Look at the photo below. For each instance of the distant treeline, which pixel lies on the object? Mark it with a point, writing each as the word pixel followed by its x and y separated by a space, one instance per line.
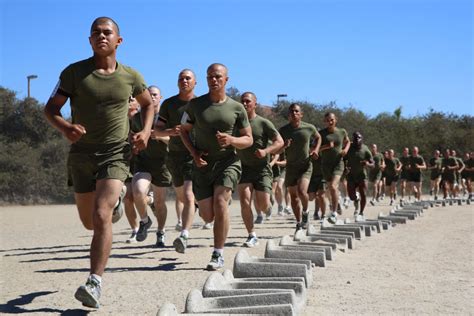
pixel 33 155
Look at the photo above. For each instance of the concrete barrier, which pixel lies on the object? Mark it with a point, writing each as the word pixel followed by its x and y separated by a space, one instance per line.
pixel 317 256
pixel 246 266
pixel 269 303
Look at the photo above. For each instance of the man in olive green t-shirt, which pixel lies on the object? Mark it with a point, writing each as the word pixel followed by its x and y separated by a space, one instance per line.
pixel 302 141
pixel 215 120
pixel 334 146
pixel 417 164
pixel 358 159
pixel 375 174
pixel 392 170
pixel 435 164
pixel 99 89
pixel 152 174
pixel 256 171
pixel 180 161
pixel 404 174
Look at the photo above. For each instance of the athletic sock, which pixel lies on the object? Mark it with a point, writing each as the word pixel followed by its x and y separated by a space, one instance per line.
pixel 96 277
pixel 219 251
pixel 145 220
pixel 185 233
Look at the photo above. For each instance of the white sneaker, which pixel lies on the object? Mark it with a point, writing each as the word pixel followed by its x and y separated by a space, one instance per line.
pixel 251 241
pixel 288 210
pixel 333 218
pixel 132 239
pixel 208 225
pixel 119 207
pixel 280 210
pixel 259 219
pixel 360 218
pixel 179 226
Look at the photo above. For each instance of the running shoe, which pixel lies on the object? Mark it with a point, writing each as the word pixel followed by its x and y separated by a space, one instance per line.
pixel 259 219
pixel 372 202
pixel 89 294
pixel 305 220
pixel 298 227
pixel 160 239
pixel 316 216
pixel 119 207
pixel 280 210
pixel 143 229
pixel 217 262
pixel 251 241
pixel 268 214
pixel 208 225
pixel 180 244
pixel 179 226
pixel 132 239
pixel 288 210
pixel 333 218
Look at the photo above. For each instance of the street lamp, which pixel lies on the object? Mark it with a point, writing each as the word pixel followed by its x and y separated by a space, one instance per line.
pixel 30 77
pixel 280 96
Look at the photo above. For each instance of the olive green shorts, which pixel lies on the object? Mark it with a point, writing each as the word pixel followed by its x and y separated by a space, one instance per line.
pixel 180 165
pixel 160 175
pixel 88 163
pixel 375 176
pixel 331 169
pixel 276 171
pixel 225 172
pixel 260 177
pixel 317 183
pixel 298 171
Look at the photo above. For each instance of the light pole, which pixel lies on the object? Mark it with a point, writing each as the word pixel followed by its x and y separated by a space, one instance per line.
pixel 30 77
pixel 283 95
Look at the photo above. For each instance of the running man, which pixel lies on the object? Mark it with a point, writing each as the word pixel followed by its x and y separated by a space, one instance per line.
pixel 393 166
pixel 214 118
pixel 435 164
pixel 375 174
pixel 448 177
pixel 358 159
pixel 256 176
pixel 404 174
pixel 151 171
pixel 316 189
pixel 302 141
pixel 99 89
pixel 415 178
pixel 180 161
pixel 334 146
pixel 459 170
pixel 469 163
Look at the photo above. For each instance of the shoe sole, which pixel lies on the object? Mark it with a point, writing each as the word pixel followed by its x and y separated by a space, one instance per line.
pixel 247 245
pixel 213 268
pixel 179 245
pixel 86 298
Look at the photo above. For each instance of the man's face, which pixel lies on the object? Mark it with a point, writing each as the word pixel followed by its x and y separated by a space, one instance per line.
pixel 415 151
pixel 330 121
pixel 436 153
pixel 186 81
pixel 357 138
pixel 295 114
pixel 249 103
pixel 104 38
pixel 374 148
pixel 405 152
pixel 217 78
pixel 155 96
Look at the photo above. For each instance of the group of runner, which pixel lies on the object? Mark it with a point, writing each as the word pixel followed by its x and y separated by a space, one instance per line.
pixel 205 147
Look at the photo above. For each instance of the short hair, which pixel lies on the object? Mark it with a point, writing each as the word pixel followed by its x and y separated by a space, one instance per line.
pixel 103 19
pixel 329 114
pixel 292 105
pixel 219 65
pixel 187 70
pixel 152 86
pixel 250 93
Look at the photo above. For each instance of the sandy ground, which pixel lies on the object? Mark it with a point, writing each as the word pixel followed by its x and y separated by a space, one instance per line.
pixel 424 267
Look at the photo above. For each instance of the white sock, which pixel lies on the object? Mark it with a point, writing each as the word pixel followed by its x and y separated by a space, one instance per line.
pixel 253 234
pixel 185 233
pixel 144 220
pixel 219 251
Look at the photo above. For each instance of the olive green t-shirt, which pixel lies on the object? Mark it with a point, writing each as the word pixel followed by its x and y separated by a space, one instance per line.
pixel 449 162
pixel 438 164
pixel 406 163
pixel 354 158
pixel 208 118
pixel 171 112
pixel 329 156
pixel 155 149
pixel 391 166
pixel 301 139
pixel 100 102
pixel 263 132
pixel 416 160
pixel 378 158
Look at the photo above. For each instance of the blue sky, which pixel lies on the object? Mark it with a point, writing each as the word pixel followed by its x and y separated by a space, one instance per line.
pixel 374 55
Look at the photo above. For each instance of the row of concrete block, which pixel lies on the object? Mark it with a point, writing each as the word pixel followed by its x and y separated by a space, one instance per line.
pixel 277 283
